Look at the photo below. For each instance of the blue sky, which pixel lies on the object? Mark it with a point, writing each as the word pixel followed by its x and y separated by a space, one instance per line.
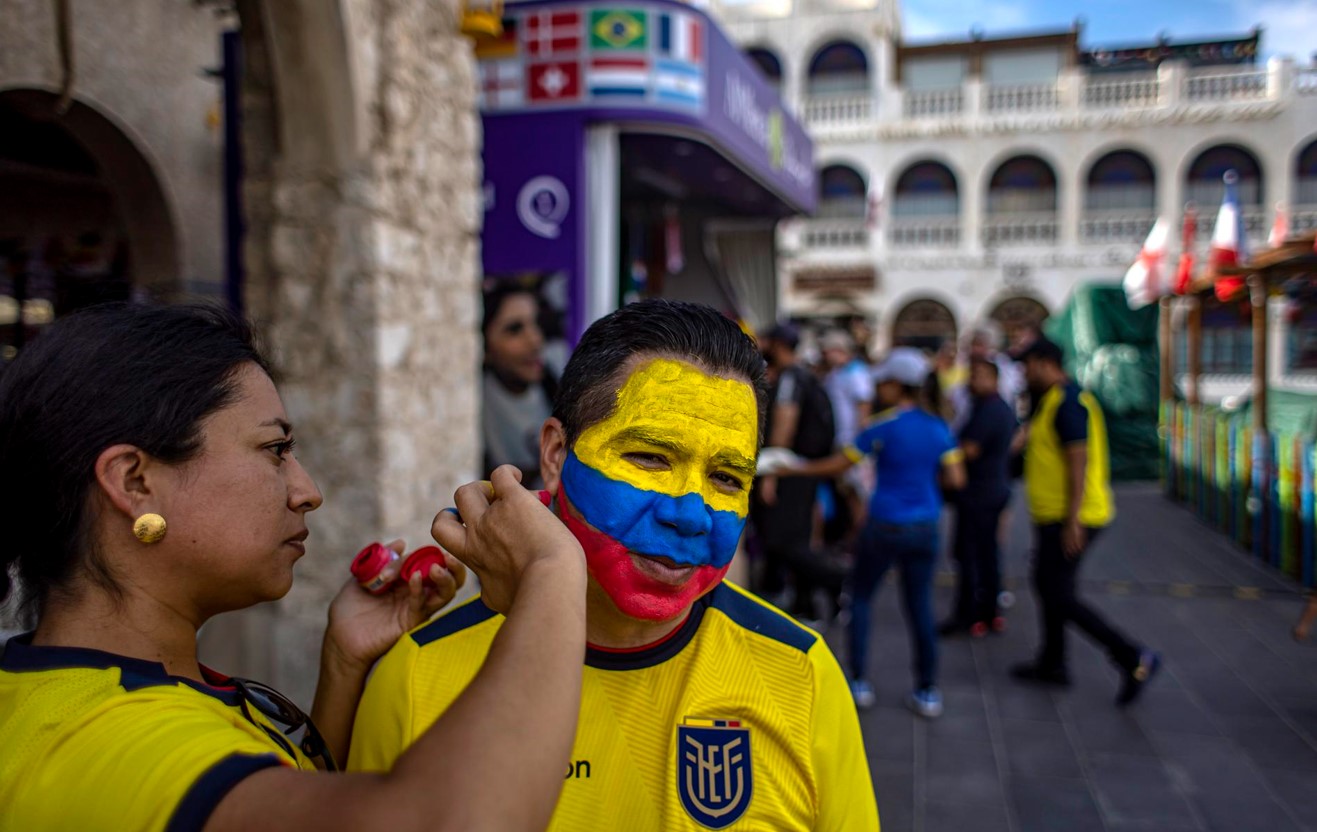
pixel 1289 26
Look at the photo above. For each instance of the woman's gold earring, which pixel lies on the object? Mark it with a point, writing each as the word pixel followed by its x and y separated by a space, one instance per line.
pixel 149 528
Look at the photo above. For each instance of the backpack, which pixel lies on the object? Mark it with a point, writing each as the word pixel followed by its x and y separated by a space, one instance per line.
pixel 816 432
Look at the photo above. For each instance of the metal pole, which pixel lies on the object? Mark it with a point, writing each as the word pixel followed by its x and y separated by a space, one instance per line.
pixel 234 228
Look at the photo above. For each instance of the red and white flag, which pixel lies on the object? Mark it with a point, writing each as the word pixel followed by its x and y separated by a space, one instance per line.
pixel 1146 280
pixel 1280 227
pixel 553 81
pixel 551 33
pixel 1184 272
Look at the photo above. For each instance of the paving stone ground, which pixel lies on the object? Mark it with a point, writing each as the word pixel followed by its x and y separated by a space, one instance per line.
pixel 1224 739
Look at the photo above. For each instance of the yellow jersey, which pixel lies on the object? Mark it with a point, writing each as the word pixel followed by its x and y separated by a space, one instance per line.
pixel 1067 414
pixel 740 719
pixel 95 741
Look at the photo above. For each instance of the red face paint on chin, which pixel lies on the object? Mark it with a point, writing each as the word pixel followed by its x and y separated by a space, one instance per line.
pixel 636 594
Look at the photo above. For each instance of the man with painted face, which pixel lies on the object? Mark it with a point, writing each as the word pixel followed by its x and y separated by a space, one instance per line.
pixel 702 706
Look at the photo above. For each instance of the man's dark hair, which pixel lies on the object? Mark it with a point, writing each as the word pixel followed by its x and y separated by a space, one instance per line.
pixel 988 363
pixel 688 332
pixel 1044 350
pixel 118 373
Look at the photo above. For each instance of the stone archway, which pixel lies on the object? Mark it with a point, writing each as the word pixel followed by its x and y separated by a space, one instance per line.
pixel 83 216
pixel 1019 318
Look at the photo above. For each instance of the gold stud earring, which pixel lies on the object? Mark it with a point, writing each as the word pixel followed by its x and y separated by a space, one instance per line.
pixel 149 528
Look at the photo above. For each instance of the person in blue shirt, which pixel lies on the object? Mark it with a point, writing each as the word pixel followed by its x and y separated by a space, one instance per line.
pixel 916 457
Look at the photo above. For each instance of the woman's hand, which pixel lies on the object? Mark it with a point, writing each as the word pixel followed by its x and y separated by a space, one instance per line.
pixel 500 529
pixel 362 627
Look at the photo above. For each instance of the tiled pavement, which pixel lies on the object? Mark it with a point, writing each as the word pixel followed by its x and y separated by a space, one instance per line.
pixel 1224 739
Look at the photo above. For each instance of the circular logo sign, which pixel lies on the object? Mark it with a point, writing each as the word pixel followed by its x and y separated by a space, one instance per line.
pixel 542 205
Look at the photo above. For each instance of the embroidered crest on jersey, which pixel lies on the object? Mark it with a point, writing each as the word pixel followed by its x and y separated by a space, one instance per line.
pixel 714 776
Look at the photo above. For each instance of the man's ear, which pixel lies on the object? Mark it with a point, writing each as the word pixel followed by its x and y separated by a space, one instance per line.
pixel 124 475
pixel 553 453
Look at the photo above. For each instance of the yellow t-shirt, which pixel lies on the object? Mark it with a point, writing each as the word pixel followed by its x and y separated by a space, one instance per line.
pixel 741 719
pixel 94 741
pixel 1067 414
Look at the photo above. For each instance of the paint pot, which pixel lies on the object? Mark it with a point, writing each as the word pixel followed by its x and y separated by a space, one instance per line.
pixel 420 561
pixel 369 565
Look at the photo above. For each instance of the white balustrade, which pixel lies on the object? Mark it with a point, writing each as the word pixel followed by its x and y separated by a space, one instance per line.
pixel 1021 98
pixel 1021 229
pixel 834 234
pixel 838 110
pixel 933 103
pixel 924 232
pixel 1305 81
pixel 1303 219
pixel 1257 223
pixel 1115 226
pixel 1121 90
pixel 1215 85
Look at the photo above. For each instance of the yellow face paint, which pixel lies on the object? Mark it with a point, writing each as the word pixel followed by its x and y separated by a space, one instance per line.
pixel 677 430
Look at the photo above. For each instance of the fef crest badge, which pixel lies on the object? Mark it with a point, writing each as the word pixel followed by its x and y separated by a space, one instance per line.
pixel 714 776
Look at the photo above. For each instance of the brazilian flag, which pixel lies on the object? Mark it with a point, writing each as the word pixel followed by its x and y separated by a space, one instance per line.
pixel 618 29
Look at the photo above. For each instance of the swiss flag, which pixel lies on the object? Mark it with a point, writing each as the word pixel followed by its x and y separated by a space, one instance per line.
pixel 551 33
pixel 553 81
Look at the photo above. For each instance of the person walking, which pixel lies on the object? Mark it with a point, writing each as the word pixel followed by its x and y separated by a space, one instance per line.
pixel 1067 480
pixel 916 458
pixel 986 442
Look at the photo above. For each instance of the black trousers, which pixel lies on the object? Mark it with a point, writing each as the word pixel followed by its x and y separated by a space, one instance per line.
pixel 784 529
pixel 1054 578
pixel 978 559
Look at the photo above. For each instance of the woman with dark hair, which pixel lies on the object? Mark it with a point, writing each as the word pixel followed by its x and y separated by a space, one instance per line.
pixel 517 391
pixel 149 484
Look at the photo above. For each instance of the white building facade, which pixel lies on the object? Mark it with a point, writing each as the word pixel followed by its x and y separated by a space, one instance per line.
pixel 989 177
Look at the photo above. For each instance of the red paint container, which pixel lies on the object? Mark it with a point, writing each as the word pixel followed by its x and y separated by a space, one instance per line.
pixel 368 567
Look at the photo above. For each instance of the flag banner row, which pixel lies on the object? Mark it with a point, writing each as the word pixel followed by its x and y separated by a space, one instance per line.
pixel 574 56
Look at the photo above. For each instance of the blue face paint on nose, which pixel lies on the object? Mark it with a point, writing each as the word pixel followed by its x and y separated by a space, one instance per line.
pixel 687 515
pixel 683 528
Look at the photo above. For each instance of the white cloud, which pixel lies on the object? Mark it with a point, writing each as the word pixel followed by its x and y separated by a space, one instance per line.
pixel 929 19
pixel 1289 27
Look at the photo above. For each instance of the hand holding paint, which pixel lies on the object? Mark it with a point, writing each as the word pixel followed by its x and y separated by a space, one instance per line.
pixel 501 530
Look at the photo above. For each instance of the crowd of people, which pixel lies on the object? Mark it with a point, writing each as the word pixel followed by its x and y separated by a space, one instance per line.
pixel 915 432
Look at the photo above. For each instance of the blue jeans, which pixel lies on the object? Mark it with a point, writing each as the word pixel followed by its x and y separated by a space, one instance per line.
pixel 913 548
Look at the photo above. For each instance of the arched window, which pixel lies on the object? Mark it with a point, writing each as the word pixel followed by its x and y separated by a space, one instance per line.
pixel 1305 171
pixel 926 189
pixel 83 218
pixel 925 324
pixel 1204 182
pixel 1018 318
pixel 842 193
pixel 768 64
pixel 1022 184
pixel 838 68
pixel 1121 181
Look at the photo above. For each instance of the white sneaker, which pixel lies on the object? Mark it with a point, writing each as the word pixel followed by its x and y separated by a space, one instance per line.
pixel 927 702
pixel 863 693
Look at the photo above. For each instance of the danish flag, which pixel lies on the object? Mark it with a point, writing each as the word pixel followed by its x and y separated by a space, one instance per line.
pixel 551 33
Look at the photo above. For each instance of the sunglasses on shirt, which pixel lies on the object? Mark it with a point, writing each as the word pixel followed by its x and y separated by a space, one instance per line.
pixel 279 709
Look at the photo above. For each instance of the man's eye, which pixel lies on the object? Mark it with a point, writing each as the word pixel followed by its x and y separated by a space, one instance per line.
pixel 728 481
pixel 650 462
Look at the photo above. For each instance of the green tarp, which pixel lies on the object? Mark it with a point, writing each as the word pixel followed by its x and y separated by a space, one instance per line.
pixel 1112 351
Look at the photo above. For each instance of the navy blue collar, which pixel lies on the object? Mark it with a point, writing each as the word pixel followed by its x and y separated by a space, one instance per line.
pixel 21 656
pixel 654 654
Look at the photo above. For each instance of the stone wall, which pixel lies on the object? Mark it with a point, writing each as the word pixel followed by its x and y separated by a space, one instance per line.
pixel 362 269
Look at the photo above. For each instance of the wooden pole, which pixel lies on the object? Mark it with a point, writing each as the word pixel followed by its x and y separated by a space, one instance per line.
pixel 1257 295
pixel 1195 349
pixel 1166 342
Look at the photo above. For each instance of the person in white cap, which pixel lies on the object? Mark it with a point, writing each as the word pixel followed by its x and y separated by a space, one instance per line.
pixel 916 457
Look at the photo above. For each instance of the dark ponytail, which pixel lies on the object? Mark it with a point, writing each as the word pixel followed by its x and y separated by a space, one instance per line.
pixel 143 375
